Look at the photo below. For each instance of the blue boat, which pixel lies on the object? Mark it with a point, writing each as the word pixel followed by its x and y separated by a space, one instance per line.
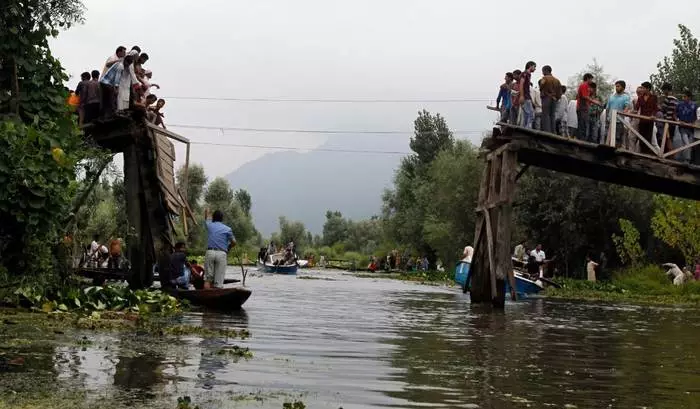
pixel 524 286
pixel 281 269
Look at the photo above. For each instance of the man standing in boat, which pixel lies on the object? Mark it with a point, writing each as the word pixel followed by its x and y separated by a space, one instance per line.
pixel 220 240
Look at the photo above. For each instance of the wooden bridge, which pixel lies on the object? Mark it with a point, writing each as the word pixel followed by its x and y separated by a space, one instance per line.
pixel 512 149
pixel 152 196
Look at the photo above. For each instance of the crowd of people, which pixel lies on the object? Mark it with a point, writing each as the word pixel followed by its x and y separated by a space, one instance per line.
pixel 123 84
pixel 545 106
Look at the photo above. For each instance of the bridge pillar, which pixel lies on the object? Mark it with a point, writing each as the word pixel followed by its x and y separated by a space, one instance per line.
pixel 491 263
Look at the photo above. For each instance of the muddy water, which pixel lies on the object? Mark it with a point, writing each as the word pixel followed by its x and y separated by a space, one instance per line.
pixel 340 341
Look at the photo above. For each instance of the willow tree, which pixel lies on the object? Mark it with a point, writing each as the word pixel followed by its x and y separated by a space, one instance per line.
pixel 681 69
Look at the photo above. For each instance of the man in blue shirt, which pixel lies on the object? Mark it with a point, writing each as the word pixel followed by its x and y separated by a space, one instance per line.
pixel 620 102
pixel 686 112
pixel 220 240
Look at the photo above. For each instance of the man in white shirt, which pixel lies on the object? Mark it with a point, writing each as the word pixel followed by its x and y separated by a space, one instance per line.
pixel 537 103
pixel 561 117
pixel 118 56
pixel 540 258
pixel 468 254
pixel 572 118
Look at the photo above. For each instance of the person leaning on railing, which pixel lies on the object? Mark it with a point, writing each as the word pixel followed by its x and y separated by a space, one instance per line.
pixel 686 112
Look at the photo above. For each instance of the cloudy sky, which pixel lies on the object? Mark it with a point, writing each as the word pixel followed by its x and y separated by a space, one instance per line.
pixel 359 49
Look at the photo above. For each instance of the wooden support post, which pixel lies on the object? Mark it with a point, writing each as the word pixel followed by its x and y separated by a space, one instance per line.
pixel 613 128
pixel 662 147
pixel 491 264
pixel 134 207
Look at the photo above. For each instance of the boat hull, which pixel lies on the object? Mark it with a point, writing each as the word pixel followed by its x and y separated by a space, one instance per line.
pixel 284 269
pixel 222 299
pixel 524 286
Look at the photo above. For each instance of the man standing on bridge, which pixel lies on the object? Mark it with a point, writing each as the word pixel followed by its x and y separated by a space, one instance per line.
pixel 550 89
pixel 220 240
pixel 525 95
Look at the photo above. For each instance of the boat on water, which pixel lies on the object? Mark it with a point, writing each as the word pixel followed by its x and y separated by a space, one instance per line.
pixel 523 284
pixel 222 299
pixel 280 268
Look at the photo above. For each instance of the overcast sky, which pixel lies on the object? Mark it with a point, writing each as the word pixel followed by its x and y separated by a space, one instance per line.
pixel 359 49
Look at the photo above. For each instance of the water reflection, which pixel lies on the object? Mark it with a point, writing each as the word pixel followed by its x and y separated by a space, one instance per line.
pixel 365 343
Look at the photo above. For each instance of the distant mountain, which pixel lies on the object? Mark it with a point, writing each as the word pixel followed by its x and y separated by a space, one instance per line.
pixel 302 186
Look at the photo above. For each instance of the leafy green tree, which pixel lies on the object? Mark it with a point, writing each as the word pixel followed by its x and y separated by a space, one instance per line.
pixel 573 216
pixel 628 247
pixel 682 67
pixel 604 82
pixel 218 192
pixel 335 228
pixel 431 136
pixel 195 185
pixel 292 231
pixel 243 198
pixel 30 77
pixel 677 223
pixel 450 218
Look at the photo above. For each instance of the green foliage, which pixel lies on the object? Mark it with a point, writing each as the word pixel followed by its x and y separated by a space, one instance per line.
pixel 627 245
pixel 220 196
pixel 185 402
pixel 294 405
pixel 682 67
pixel 335 229
pixel 196 180
pixel 28 70
pixel 405 206
pixel 676 222
pixel 243 198
pixel 292 231
pixel 572 216
pixel 647 284
pixel 604 82
pixel 235 353
pixel 90 299
pixel 37 174
pixel 453 189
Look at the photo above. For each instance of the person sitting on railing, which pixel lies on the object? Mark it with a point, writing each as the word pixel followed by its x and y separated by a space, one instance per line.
pixel 619 102
pixel 668 104
pixel 686 112
pixel 158 118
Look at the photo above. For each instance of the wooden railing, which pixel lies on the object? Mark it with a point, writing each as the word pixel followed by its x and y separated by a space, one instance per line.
pixel 659 151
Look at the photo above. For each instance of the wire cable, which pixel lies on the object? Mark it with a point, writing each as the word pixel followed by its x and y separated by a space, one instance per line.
pixel 312 131
pixel 333 100
pixel 292 148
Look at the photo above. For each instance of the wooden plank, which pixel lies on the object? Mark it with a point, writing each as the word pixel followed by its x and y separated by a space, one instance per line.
pixel 655 119
pixel 663 140
pixel 682 148
pixel 619 166
pixel 489 247
pixel 641 138
pixel 167 133
pixel 613 128
pixel 494 180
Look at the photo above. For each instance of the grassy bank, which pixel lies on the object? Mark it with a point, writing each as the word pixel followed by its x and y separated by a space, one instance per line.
pixel 648 285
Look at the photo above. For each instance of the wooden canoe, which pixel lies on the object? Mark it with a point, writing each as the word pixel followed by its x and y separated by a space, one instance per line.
pixel 223 299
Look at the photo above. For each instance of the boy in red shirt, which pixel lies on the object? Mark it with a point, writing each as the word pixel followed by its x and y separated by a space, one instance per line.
pixel 583 103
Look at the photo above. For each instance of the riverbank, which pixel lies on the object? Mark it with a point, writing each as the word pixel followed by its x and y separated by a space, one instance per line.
pixel 641 285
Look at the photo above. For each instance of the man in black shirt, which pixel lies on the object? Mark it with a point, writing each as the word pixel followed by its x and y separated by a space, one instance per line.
pixel 179 274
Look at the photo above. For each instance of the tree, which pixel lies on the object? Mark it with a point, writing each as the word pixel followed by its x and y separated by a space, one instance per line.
pixel 450 218
pixel 218 193
pixel 40 146
pixel 604 82
pixel 682 67
pixel 431 135
pixel 28 70
pixel 196 180
pixel 335 229
pixel 677 223
pixel 573 216
pixel 243 198
pixel 293 231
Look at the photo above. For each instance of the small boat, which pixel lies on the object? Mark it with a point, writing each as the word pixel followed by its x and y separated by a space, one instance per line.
pixel 524 285
pixel 281 268
pixel 222 299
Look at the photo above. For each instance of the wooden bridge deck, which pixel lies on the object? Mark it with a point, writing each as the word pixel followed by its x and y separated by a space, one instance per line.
pixel 600 162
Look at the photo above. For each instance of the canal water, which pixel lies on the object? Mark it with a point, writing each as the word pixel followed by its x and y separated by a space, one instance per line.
pixel 333 340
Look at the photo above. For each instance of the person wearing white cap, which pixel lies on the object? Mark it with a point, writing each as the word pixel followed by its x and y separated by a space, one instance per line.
pixel 146 81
